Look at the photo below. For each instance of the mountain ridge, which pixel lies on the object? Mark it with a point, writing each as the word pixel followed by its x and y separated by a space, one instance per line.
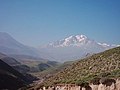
pixel 9 45
pixel 74 47
pixel 76 40
pixel 60 51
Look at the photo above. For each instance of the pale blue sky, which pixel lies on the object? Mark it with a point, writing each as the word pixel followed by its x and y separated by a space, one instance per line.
pixel 38 22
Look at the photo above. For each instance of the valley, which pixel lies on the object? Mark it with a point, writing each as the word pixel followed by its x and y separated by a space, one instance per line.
pixel 59 44
pixel 74 62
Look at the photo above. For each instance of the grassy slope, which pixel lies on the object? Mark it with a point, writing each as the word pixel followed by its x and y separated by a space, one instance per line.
pixel 105 64
pixel 52 70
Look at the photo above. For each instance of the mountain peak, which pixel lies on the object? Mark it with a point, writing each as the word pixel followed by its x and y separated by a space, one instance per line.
pixel 73 48
pixel 81 36
pixel 77 37
pixel 4 34
pixel 79 41
pixel 70 41
pixel 7 40
pixel 9 45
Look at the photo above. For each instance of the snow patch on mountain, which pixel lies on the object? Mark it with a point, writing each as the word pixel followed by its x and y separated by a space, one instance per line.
pixel 70 41
pixel 79 41
pixel 73 47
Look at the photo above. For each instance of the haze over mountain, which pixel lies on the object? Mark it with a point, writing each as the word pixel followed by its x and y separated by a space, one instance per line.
pixel 70 48
pixel 77 40
pixel 74 47
pixel 9 45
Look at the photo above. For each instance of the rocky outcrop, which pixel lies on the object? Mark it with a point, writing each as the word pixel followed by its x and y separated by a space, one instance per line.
pixel 96 84
pixel 106 84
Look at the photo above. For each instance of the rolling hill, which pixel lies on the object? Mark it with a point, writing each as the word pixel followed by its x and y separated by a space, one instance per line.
pixel 27 64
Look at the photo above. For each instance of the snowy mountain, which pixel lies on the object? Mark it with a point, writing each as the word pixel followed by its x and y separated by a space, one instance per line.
pixel 70 48
pixel 78 40
pixel 70 41
pixel 74 47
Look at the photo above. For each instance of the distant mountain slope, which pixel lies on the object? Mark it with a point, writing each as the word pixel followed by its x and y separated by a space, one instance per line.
pixel 105 64
pixel 74 47
pixel 11 61
pixel 27 58
pixel 9 45
pixel 11 79
pixel 47 65
pixel 36 64
pixel 26 64
pixel 17 65
pixel 70 48
pixel 2 55
pixel 78 40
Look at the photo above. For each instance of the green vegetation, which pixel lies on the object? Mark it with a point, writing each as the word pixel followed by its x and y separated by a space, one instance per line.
pixel 55 67
pixel 39 66
pixel 105 64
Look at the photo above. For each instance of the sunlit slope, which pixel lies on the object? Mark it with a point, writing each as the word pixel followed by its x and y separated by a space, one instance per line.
pixel 105 64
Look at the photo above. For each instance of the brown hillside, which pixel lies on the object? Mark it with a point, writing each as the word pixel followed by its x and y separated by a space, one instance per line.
pixel 105 64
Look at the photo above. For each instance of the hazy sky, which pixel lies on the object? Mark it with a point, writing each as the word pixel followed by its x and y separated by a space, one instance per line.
pixel 37 22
